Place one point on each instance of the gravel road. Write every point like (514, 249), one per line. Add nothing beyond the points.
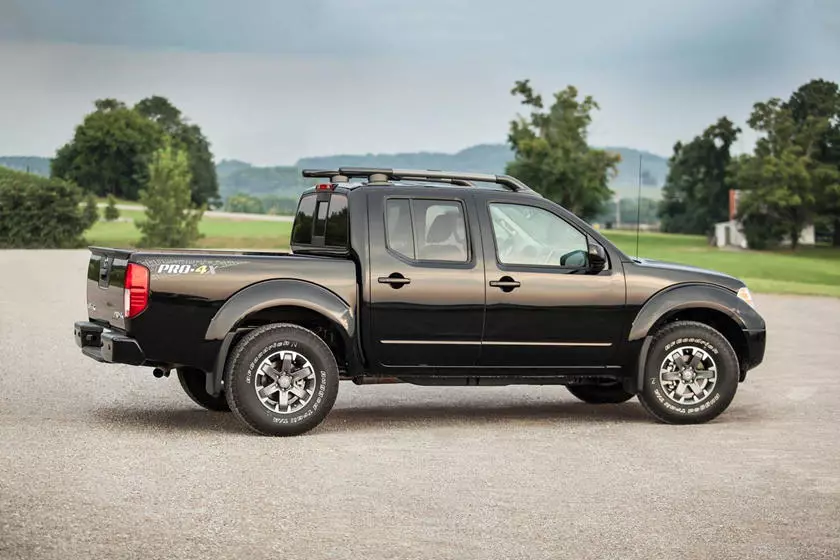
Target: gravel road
(108, 462)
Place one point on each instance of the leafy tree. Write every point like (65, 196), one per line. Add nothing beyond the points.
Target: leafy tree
(111, 212)
(109, 151)
(784, 180)
(171, 218)
(246, 203)
(204, 184)
(91, 210)
(696, 192)
(552, 155)
(816, 105)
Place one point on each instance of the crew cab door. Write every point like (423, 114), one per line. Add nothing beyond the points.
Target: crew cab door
(543, 307)
(426, 278)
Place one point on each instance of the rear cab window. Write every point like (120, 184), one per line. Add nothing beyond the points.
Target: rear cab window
(321, 223)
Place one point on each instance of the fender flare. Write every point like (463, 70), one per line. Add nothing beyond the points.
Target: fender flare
(278, 293)
(273, 293)
(689, 296)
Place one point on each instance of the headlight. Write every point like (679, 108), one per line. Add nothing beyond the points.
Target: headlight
(744, 294)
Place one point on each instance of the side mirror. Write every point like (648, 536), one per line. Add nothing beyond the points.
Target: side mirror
(597, 258)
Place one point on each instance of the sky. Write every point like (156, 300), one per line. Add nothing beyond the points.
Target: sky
(270, 81)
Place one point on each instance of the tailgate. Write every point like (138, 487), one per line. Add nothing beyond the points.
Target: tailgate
(105, 284)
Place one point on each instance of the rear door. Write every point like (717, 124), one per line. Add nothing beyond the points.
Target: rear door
(426, 278)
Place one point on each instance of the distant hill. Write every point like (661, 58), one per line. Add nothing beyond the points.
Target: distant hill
(285, 181)
(492, 158)
(33, 164)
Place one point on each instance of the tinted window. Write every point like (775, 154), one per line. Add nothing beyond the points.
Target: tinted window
(527, 235)
(427, 230)
(337, 222)
(439, 232)
(398, 227)
(302, 230)
(321, 218)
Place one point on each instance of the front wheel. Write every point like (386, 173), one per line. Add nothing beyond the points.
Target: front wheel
(608, 393)
(281, 380)
(193, 381)
(691, 374)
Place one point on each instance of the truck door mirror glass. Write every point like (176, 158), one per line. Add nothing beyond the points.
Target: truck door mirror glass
(597, 257)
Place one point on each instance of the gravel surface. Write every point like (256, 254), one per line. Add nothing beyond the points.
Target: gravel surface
(105, 461)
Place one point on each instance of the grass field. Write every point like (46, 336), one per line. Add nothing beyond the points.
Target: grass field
(220, 233)
(809, 271)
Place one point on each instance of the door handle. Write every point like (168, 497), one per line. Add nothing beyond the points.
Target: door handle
(505, 283)
(396, 280)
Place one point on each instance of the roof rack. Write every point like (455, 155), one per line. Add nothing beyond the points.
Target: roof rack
(382, 174)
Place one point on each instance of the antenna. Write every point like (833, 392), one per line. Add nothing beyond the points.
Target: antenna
(639, 207)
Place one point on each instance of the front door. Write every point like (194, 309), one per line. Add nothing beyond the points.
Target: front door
(543, 308)
(427, 281)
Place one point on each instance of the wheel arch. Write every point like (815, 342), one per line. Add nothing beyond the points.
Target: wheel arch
(284, 301)
(711, 305)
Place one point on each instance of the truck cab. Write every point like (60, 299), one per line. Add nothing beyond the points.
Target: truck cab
(429, 278)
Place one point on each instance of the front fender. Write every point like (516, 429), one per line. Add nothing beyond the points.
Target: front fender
(276, 293)
(688, 296)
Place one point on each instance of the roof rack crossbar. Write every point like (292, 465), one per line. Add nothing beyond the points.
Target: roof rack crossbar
(421, 175)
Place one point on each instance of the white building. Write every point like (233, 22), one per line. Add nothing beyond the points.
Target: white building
(731, 234)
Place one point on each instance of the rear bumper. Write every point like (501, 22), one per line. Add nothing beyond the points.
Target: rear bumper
(104, 345)
(756, 341)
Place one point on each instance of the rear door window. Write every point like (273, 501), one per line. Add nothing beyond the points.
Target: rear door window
(427, 230)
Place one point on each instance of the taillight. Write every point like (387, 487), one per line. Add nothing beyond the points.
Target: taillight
(136, 289)
(324, 187)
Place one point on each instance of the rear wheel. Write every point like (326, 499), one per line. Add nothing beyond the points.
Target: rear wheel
(691, 374)
(194, 382)
(608, 393)
(281, 380)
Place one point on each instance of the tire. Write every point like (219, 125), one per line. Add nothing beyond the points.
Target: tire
(281, 380)
(689, 342)
(193, 382)
(612, 393)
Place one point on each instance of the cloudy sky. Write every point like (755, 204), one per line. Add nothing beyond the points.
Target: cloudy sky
(270, 81)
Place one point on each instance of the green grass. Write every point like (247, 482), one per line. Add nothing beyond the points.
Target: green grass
(220, 233)
(808, 270)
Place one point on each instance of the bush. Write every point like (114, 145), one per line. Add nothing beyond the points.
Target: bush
(90, 214)
(36, 212)
(111, 212)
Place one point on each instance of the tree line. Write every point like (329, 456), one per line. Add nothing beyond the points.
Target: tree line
(789, 181)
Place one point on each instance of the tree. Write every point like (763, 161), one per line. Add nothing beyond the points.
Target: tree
(784, 180)
(696, 193)
(241, 202)
(90, 213)
(111, 212)
(109, 151)
(552, 154)
(171, 218)
(817, 105)
(204, 184)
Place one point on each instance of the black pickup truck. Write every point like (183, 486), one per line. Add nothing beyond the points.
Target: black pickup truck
(423, 277)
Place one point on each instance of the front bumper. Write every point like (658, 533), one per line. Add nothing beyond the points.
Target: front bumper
(105, 345)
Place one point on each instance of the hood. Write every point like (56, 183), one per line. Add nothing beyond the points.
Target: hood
(687, 273)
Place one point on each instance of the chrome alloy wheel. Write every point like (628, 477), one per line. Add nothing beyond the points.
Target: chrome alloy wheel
(688, 375)
(285, 382)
